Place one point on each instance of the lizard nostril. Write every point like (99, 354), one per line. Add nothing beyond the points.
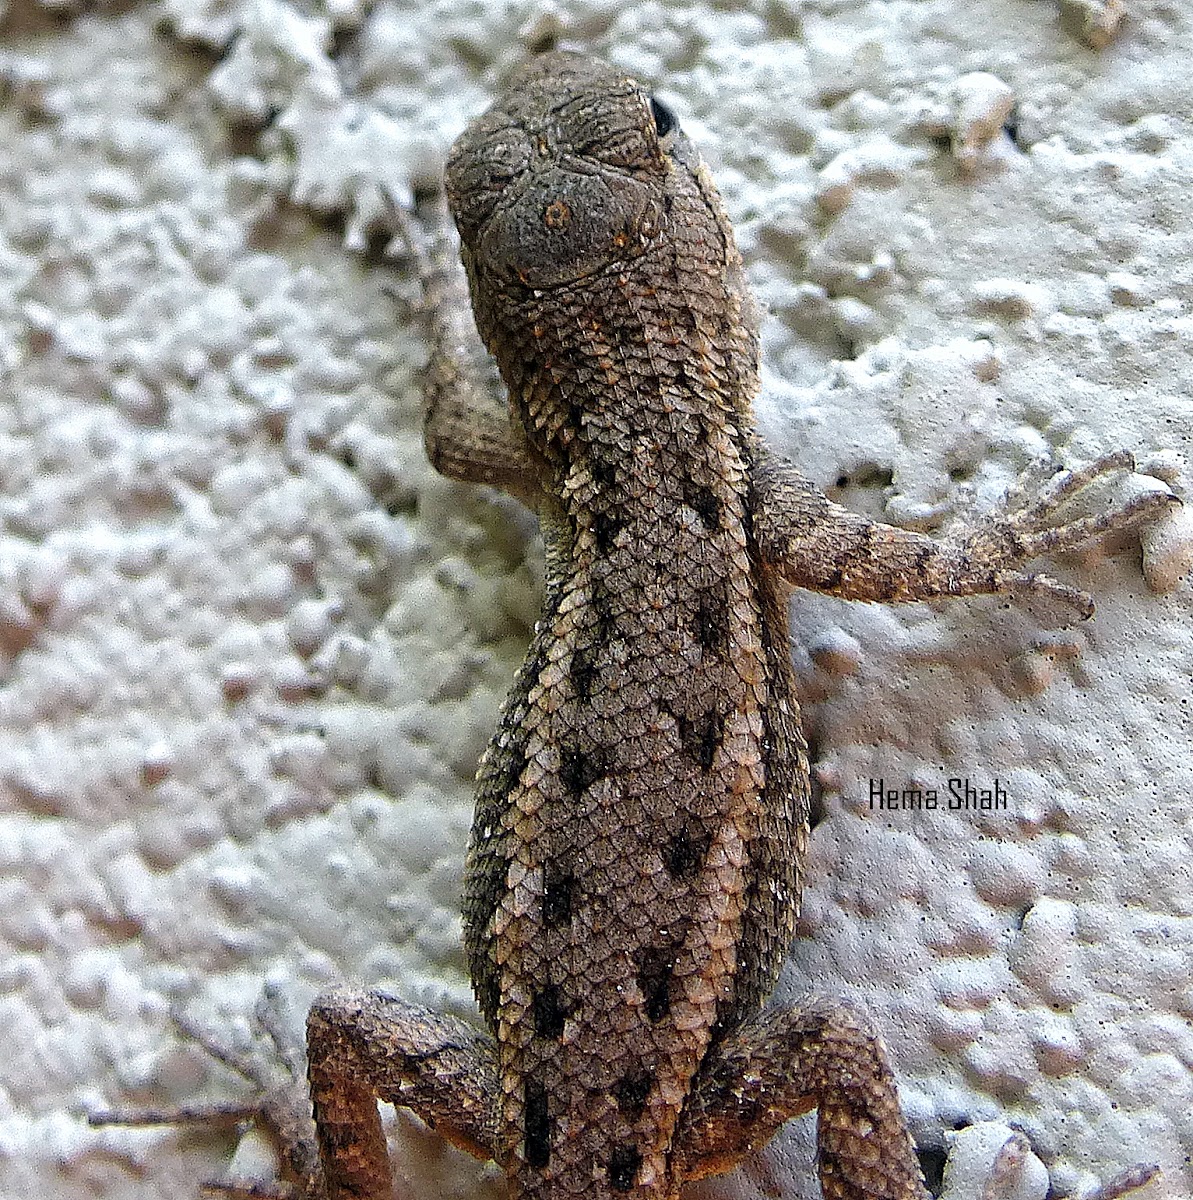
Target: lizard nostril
(557, 215)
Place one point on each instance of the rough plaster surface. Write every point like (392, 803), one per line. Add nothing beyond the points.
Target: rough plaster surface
(251, 646)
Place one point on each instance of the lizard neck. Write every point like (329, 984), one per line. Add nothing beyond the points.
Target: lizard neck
(660, 348)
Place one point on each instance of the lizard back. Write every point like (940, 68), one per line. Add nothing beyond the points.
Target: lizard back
(631, 883)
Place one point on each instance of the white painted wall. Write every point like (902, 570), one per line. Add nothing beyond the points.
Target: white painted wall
(251, 646)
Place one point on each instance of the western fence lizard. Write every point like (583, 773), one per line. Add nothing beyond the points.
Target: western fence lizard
(635, 866)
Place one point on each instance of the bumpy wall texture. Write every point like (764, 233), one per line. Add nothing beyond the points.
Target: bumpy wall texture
(251, 646)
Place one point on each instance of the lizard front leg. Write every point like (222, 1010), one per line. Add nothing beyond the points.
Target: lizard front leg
(466, 425)
(781, 1065)
(816, 544)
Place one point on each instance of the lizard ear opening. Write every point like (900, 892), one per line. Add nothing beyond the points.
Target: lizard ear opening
(664, 119)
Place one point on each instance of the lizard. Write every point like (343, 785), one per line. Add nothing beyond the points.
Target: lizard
(634, 870)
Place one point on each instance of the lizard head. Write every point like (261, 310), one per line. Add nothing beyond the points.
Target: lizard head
(564, 176)
(604, 274)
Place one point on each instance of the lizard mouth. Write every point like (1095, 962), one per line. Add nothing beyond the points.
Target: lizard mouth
(564, 224)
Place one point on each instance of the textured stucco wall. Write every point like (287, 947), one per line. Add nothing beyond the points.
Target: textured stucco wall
(251, 646)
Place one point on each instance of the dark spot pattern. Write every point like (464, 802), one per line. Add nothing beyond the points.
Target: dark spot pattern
(583, 672)
(631, 1091)
(537, 1143)
(602, 612)
(559, 886)
(605, 529)
(712, 620)
(511, 770)
(655, 965)
(623, 1167)
(549, 1011)
(604, 474)
(575, 417)
(702, 737)
(684, 854)
(705, 502)
(579, 770)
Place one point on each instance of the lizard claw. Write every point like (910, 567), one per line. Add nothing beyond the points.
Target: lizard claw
(280, 1106)
(1033, 503)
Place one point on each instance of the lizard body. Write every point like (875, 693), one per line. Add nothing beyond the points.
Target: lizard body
(641, 813)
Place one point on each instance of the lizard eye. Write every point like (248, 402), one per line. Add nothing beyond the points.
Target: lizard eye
(664, 118)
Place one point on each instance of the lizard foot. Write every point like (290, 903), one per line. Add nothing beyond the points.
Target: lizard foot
(991, 1161)
(1033, 522)
(280, 1107)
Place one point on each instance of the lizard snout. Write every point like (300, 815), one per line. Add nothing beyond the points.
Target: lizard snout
(563, 225)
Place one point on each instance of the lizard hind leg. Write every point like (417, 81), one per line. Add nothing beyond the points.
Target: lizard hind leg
(363, 1047)
(783, 1064)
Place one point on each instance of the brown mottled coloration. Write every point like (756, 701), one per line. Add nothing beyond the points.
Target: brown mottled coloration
(634, 872)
